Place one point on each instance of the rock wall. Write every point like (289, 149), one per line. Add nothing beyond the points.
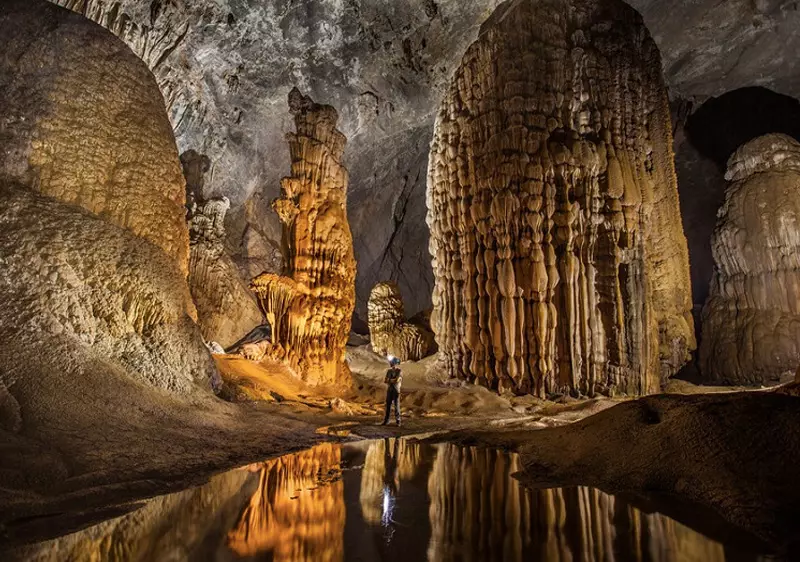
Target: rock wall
(310, 308)
(127, 170)
(558, 252)
(226, 309)
(389, 331)
(751, 321)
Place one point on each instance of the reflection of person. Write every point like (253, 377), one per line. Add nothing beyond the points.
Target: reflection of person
(393, 380)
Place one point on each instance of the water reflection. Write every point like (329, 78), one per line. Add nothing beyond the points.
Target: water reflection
(384, 501)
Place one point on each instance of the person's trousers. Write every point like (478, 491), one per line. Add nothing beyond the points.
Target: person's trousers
(392, 398)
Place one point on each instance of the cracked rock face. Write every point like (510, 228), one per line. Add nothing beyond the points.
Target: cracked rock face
(558, 252)
(751, 321)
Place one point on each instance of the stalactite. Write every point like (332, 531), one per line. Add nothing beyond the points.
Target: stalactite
(389, 331)
(311, 307)
(751, 333)
(556, 237)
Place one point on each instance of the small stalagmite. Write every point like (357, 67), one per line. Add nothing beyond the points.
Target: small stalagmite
(389, 331)
(310, 308)
(751, 321)
(557, 243)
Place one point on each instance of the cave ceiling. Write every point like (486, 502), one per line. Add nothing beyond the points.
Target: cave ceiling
(225, 67)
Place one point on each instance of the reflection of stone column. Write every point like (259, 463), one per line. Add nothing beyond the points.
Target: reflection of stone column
(558, 251)
(310, 308)
(478, 511)
(295, 529)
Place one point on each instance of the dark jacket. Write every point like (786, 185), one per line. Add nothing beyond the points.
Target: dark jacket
(394, 378)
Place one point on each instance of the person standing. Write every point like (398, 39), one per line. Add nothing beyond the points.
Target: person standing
(393, 380)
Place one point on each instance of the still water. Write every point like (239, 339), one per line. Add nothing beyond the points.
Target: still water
(386, 500)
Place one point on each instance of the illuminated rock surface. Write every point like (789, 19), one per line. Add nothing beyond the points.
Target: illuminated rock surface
(386, 500)
(310, 308)
(226, 309)
(559, 257)
(751, 321)
(389, 331)
(90, 128)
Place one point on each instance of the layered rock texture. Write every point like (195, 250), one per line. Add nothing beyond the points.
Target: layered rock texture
(389, 331)
(310, 308)
(556, 237)
(751, 321)
(226, 309)
(130, 157)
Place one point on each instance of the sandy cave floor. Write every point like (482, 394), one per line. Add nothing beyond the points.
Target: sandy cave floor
(277, 414)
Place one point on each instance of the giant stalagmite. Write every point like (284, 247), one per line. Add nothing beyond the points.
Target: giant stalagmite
(556, 236)
(389, 331)
(310, 308)
(751, 321)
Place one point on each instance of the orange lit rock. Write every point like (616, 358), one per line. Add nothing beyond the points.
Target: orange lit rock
(556, 236)
(275, 522)
(389, 332)
(89, 129)
(310, 308)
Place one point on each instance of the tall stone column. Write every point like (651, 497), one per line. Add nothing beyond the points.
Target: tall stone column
(310, 308)
(557, 243)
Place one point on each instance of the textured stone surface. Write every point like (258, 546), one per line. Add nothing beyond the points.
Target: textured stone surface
(384, 65)
(226, 309)
(751, 322)
(127, 170)
(310, 308)
(559, 256)
(389, 331)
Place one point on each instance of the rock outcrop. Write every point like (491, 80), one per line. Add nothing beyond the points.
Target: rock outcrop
(389, 331)
(127, 170)
(226, 309)
(558, 252)
(310, 308)
(751, 321)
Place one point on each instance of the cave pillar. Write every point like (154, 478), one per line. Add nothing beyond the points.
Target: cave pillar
(310, 308)
(558, 249)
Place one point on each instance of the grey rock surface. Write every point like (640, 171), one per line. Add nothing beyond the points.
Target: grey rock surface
(225, 67)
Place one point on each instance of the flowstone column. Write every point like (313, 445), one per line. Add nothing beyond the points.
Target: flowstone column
(751, 321)
(389, 332)
(310, 308)
(558, 249)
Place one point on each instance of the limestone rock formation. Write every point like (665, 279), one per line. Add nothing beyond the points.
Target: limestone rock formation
(226, 309)
(127, 170)
(310, 308)
(558, 252)
(389, 331)
(751, 321)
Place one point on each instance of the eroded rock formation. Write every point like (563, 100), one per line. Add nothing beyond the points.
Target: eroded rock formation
(751, 321)
(558, 252)
(226, 309)
(310, 308)
(127, 170)
(389, 331)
